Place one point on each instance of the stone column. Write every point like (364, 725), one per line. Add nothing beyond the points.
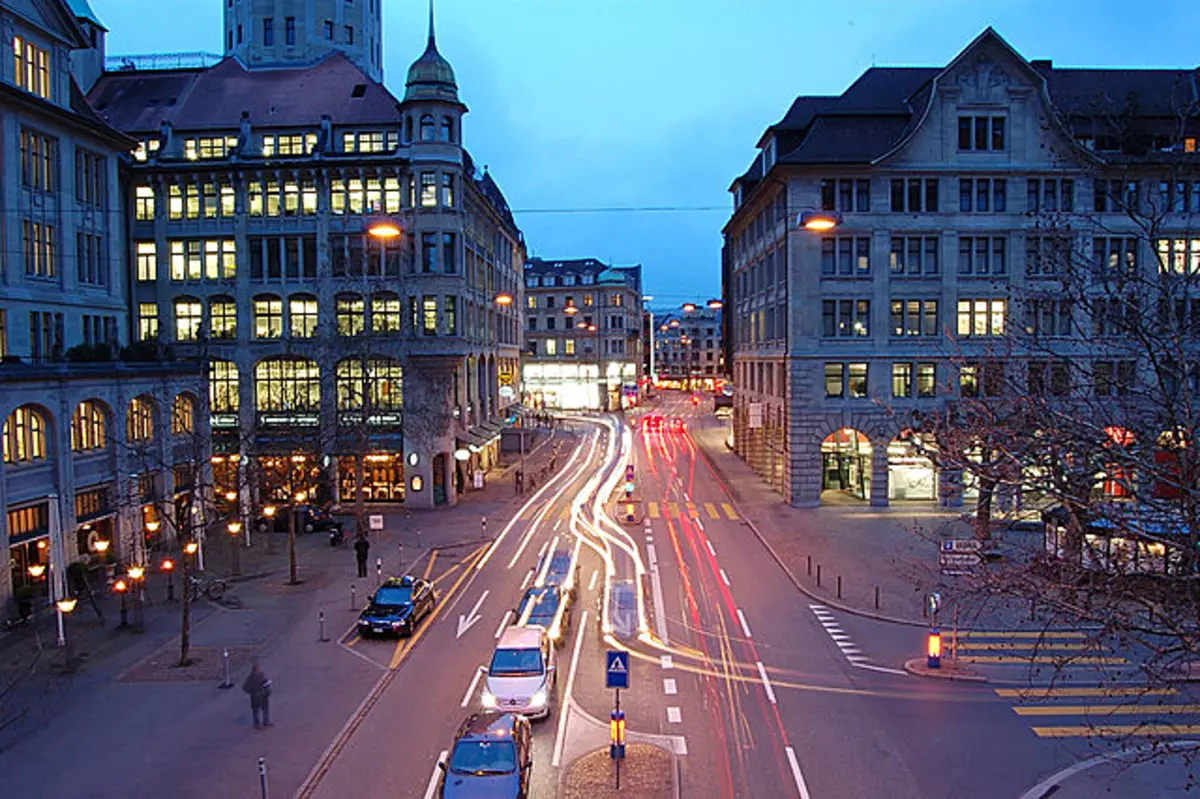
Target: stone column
(806, 468)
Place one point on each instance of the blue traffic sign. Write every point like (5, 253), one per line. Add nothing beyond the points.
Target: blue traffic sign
(616, 670)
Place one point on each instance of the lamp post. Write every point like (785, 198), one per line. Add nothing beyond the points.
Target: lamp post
(137, 574)
(268, 527)
(64, 607)
(297, 500)
(168, 566)
(650, 326)
(235, 529)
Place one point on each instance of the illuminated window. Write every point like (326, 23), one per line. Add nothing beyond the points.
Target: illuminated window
(552, 346)
(287, 384)
(376, 381)
(220, 259)
(982, 317)
(569, 346)
(350, 312)
(223, 386)
(144, 203)
(89, 426)
(147, 321)
(223, 317)
(24, 436)
(302, 311)
(147, 261)
(32, 70)
(189, 318)
(429, 315)
(429, 195)
(228, 200)
(268, 317)
(448, 190)
(139, 425)
(183, 415)
(385, 313)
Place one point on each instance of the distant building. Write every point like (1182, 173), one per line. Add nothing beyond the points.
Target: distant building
(340, 361)
(583, 334)
(99, 438)
(688, 348)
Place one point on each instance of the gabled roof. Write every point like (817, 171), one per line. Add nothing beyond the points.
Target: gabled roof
(82, 10)
(214, 98)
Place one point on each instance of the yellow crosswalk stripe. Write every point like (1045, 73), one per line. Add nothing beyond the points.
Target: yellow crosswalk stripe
(691, 510)
(1117, 730)
(1105, 710)
(1075, 661)
(673, 510)
(729, 511)
(1041, 646)
(1021, 634)
(1111, 690)
(652, 509)
(712, 510)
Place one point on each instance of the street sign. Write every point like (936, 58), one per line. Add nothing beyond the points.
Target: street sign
(616, 670)
(959, 556)
(375, 521)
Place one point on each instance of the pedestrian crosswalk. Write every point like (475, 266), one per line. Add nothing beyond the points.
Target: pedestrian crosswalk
(691, 510)
(1026, 647)
(1107, 711)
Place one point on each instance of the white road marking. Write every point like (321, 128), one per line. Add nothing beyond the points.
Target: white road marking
(745, 624)
(527, 579)
(669, 687)
(674, 716)
(465, 623)
(666, 661)
(592, 581)
(557, 524)
(503, 623)
(766, 683)
(883, 669)
(656, 594)
(433, 780)
(699, 523)
(800, 786)
(711, 551)
(560, 734)
(855, 658)
(839, 636)
(725, 577)
(471, 688)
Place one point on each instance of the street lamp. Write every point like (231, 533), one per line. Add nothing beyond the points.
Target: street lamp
(137, 574)
(297, 499)
(64, 607)
(600, 386)
(383, 228)
(269, 525)
(689, 306)
(122, 588)
(819, 221)
(714, 305)
(650, 326)
(235, 527)
(168, 566)
(504, 299)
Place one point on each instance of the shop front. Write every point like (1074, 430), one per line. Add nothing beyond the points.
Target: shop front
(383, 477)
(564, 386)
(95, 522)
(911, 474)
(846, 463)
(29, 550)
(281, 477)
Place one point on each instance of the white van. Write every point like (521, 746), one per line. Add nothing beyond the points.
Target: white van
(522, 674)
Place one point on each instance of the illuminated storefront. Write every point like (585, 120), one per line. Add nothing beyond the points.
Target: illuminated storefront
(383, 477)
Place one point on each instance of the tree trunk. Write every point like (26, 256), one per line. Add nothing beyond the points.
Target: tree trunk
(983, 507)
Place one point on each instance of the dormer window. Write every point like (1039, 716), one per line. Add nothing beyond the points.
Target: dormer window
(32, 67)
(769, 155)
(145, 149)
(289, 144)
(209, 147)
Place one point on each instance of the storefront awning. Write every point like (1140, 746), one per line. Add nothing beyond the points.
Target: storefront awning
(489, 430)
(471, 441)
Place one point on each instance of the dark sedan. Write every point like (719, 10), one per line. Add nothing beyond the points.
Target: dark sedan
(492, 757)
(396, 607)
(545, 606)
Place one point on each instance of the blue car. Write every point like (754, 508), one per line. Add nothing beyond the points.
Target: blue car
(491, 759)
(396, 607)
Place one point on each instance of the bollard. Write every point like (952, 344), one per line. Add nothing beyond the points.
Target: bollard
(839, 590)
(378, 571)
(353, 599)
(877, 597)
(483, 525)
(262, 776)
(400, 556)
(226, 682)
(818, 575)
(321, 625)
(810, 565)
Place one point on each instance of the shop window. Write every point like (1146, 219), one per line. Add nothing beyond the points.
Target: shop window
(376, 382)
(89, 425)
(139, 426)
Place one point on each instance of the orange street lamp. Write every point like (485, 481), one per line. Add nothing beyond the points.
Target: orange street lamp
(689, 306)
(384, 229)
(168, 566)
(231, 496)
(190, 547)
(504, 299)
(570, 310)
(235, 527)
(36, 570)
(820, 221)
(101, 545)
(715, 305)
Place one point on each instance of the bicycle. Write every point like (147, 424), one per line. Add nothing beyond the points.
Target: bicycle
(212, 588)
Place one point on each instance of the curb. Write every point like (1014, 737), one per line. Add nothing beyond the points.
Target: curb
(920, 668)
(701, 449)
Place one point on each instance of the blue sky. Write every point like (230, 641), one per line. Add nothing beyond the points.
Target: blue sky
(579, 104)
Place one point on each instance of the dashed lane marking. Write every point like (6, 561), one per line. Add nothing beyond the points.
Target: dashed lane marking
(669, 687)
(674, 716)
(729, 511)
(652, 510)
(711, 510)
(845, 643)
(745, 624)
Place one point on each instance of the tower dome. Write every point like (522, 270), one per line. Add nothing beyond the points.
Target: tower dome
(431, 77)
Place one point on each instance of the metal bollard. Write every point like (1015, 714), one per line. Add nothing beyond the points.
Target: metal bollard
(378, 571)
(839, 590)
(818, 575)
(483, 525)
(353, 598)
(226, 681)
(877, 597)
(400, 556)
(321, 624)
(262, 776)
(810, 565)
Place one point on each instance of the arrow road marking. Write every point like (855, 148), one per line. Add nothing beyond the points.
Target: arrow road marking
(467, 622)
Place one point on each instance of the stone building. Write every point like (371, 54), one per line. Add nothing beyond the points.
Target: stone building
(334, 255)
(952, 197)
(688, 350)
(99, 438)
(299, 33)
(583, 334)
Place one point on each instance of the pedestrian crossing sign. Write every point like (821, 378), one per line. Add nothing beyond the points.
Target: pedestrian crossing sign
(616, 672)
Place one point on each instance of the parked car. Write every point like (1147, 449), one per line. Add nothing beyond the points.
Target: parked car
(397, 606)
(492, 757)
(561, 571)
(310, 519)
(522, 674)
(546, 606)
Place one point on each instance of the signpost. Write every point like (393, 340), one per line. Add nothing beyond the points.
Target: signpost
(960, 556)
(616, 676)
(375, 521)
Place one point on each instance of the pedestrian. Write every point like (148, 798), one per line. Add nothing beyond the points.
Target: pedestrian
(259, 688)
(362, 548)
(519, 480)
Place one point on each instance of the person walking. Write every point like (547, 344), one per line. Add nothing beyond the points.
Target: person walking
(259, 687)
(362, 548)
(520, 482)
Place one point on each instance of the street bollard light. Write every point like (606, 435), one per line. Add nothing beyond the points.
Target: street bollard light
(168, 566)
(65, 606)
(122, 588)
(483, 524)
(226, 678)
(235, 529)
(353, 600)
(933, 648)
(262, 776)
(321, 625)
(137, 574)
(378, 571)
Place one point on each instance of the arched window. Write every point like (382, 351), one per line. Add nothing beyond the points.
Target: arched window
(350, 311)
(222, 315)
(24, 436)
(385, 313)
(428, 128)
(223, 387)
(189, 318)
(287, 384)
(140, 424)
(447, 132)
(379, 382)
(89, 425)
(302, 313)
(183, 415)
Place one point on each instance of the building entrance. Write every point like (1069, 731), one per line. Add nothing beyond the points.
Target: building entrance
(846, 463)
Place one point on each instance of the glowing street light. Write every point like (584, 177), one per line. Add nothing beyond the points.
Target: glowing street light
(384, 228)
(715, 305)
(36, 570)
(689, 306)
(504, 299)
(819, 221)
(168, 566)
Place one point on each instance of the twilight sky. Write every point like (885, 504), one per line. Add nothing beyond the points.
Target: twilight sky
(586, 104)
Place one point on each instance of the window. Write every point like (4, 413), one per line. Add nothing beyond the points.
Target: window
(845, 194)
(914, 255)
(1116, 196)
(856, 380)
(451, 315)
(982, 379)
(302, 315)
(448, 190)
(89, 427)
(429, 252)
(209, 147)
(902, 380)
(914, 195)
(287, 384)
(1050, 195)
(189, 318)
(39, 161)
(915, 317)
(1177, 256)
(449, 254)
(39, 242)
(982, 255)
(289, 31)
(846, 256)
(532, 323)
(183, 416)
(429, 315)
(1047, 317)
(139, 424)
(1115, 316)
(834, 380)
(845, 318)
(981, 133)
(91, 178)
(982, 194)
(329, 30)
(552, 346)
(349, 34)
(223, 387)
(24, 436)
(268, 31)
(569, 346)
(447, 130)
(429, 195)
(377, 383)
(1114, 378)
(91, 258)
(268, 317)
(32, 67)
(926, 380)
(1115, 256)
(427, 130)
(222, 314)
(385, 313)
(1048, 378)
(1047, 256)
(147, 321)
(3, 332)
(144, 203)
(350, 314)
(984, 317)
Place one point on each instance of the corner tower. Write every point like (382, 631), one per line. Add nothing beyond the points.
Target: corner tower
(296, 33)
(431, 108)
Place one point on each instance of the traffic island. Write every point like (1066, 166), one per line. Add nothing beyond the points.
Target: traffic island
(647, 772)
(946, 671)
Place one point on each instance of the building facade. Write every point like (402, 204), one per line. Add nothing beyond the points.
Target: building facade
(98, 437)
(688, 352)
(954, 197)
(583, 335)
(299, 33)
(334, 255)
